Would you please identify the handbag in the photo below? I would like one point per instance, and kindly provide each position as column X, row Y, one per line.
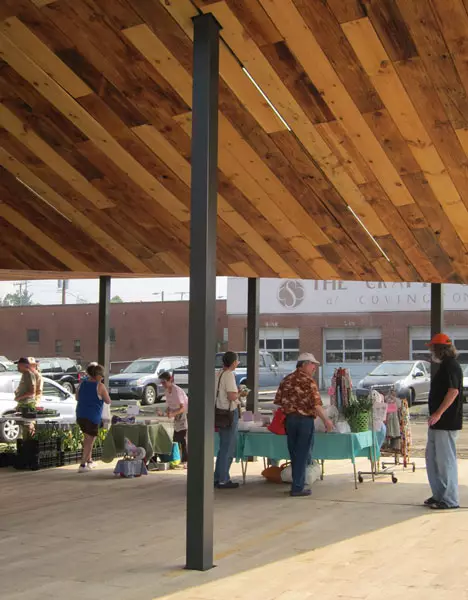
column 223, row 417
column 278, row 423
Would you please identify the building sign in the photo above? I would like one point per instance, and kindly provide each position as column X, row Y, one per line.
column 290, row 296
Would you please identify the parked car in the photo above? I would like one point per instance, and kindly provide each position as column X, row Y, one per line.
column 65, row 371
column 6, row 365
column 410, row 378
column 140, row 380
column 55, row 397
column 269, row 373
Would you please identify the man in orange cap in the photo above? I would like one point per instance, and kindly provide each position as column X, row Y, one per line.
column 445, row 421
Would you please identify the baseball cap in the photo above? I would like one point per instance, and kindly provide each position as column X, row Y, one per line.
column 440, row 339
column 26, row 360
column 307, row 357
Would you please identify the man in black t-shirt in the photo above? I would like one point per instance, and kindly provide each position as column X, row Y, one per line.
column 445, row 421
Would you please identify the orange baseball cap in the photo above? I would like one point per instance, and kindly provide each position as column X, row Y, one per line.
column 440, row 339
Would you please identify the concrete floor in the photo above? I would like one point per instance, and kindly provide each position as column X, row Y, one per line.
column 91, row 537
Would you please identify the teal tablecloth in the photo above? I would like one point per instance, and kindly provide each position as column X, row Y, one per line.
column 327, row 446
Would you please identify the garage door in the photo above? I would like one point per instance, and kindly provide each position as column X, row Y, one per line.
column 282, row 343
column 420, row 335
column 359, row 350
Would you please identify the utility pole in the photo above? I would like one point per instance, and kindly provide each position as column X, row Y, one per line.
column 20, row 285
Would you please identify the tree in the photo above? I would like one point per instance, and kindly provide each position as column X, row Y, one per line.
column 20, row 298
column 116, row 300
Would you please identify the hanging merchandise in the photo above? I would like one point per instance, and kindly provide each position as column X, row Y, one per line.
column 341, row 388
column 398, row 440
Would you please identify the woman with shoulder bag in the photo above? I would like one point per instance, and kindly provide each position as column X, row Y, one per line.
column 226, row 420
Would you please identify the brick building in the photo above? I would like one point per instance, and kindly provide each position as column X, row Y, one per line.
column 356, row 325
column 137, row 329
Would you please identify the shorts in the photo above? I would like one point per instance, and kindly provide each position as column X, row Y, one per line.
column 88, row 427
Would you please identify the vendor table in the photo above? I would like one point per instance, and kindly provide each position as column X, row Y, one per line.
column 327, row 446
column 155, row 439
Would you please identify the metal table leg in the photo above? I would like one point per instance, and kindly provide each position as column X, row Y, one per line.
column 244, row 465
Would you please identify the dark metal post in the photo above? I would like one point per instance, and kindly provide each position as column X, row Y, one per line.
column 202, row 325
column 253, row 342
column 103, row 324
column 437, row 315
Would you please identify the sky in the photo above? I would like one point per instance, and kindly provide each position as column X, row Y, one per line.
column 130, row 290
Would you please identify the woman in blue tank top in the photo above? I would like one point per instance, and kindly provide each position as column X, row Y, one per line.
column 90, row 396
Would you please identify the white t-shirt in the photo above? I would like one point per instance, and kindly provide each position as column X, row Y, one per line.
column 227, row 384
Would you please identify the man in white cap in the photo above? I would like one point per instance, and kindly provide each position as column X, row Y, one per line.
column 300, row 400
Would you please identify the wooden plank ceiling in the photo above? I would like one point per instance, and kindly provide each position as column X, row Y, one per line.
column 95, row 125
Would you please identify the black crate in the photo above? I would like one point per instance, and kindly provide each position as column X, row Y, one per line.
column 70, row 457
column 35, row 455
column 7, row 459
column 97, row 453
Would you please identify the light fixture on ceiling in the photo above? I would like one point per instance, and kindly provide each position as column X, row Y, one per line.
column 270, row 103
column 33, row 191
column 361, row 223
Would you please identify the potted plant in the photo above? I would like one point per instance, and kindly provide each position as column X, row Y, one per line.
column 28, row 411
column 357, row 412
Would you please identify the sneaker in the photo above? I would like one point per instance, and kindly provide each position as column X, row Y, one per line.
column 92, row 464
column 430, row 501
column 301, row 494
column 84, row 469
column 229, row 485
column 443, row 506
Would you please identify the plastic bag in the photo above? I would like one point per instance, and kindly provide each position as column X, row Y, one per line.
column 313, row 473
column 106, row 415
column 342, row 427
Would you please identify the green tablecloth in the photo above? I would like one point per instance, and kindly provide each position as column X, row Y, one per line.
column 155, row 439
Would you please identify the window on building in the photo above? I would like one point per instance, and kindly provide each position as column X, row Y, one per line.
column 357, row 349
column 58, row 347
column 77, row 346
column 112, row 334
column 420, row 351
column 33, row 336
column 283, row 344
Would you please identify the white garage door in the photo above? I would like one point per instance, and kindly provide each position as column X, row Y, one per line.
column 419, row 337
column 282, row 343
column 359, row 350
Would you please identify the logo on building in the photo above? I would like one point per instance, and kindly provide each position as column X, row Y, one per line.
column 291, row 294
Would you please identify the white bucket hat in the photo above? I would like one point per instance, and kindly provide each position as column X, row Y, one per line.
column 307, row 357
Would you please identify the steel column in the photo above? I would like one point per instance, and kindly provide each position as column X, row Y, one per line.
column 253, row 329
column 202, row 325
column 103, row 324
column 437, row 315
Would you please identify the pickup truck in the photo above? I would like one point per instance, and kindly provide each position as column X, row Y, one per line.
column 269, row 375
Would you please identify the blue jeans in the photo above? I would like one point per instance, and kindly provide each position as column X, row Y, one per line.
column 227, row 449
column 441, row 465
column 300, row 432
